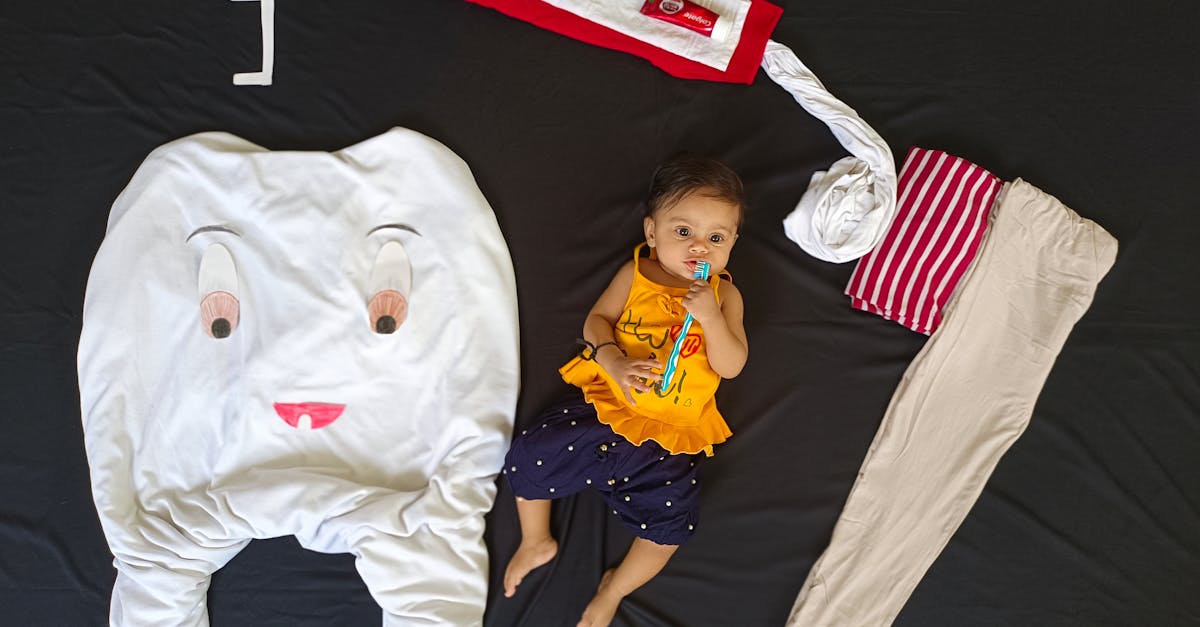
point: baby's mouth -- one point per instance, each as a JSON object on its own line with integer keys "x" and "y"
{"x": 309, "y": 416}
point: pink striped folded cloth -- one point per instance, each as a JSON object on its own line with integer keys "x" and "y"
{"x": 941, "y": 215}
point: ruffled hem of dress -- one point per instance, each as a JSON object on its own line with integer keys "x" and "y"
{"x": 639, "y": 428}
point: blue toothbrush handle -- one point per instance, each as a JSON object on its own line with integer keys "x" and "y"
{"x": 673, "y": 360}
{"x": 701, "y": 272}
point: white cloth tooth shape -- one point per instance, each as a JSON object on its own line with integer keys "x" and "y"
{"x": 303, "y": 421}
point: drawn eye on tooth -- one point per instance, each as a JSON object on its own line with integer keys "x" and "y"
{"x": 218, "y": 286}
{"x": 389, "y": 287}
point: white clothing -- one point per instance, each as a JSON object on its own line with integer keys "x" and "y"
{"x": 302, "y": 421}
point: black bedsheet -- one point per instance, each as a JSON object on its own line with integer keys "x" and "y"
{"x": 1093, "y": 517}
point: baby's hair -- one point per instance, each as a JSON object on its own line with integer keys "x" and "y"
{"x": 685, "y": 174}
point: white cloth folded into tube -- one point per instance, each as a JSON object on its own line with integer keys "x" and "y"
{"x": 846, "y": 209}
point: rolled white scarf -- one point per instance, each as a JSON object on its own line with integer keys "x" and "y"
{"x": 846, "y": 209}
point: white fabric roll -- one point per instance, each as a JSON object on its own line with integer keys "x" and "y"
{"x": 847, "y": 209}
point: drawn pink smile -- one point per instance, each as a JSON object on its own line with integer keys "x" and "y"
{"x": 309, "y": 415}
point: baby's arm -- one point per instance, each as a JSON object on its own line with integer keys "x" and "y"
{"x": 598, "y": 329}
{"x": 723, "y": 330}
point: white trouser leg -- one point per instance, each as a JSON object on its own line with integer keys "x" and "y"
{"x": 966, "y": 397}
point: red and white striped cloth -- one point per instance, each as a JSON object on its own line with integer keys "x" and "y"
{"x": 941, "y": 216}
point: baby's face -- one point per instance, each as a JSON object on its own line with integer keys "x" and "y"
{"x": 697, "y": 228}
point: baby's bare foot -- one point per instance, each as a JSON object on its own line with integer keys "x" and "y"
{"x": 529, "y": 556}
{"x": 603, "y": 606}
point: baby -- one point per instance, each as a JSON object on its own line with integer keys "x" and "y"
{"x": 635, "y": 442}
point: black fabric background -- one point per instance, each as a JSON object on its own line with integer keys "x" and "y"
{"x": 1093, "y": 517}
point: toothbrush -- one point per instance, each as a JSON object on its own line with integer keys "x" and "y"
{"x": 700, "y": 272}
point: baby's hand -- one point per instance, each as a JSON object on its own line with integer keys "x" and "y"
{"x": 701, "y": 302}
{"x": 630, "y": 373}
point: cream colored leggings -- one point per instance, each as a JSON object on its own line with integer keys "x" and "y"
{"x": 966, "y": 397}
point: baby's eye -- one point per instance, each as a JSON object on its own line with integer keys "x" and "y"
{"x": 683, "y": 231}
{"x": 716, "y": 238}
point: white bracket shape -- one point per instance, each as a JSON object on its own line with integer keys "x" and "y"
{"x": 268, "y": 48}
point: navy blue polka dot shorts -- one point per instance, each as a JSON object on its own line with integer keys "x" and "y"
{"x": 656, "y": 494}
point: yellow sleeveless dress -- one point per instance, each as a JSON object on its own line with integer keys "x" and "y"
{"x": 681, "y": 419}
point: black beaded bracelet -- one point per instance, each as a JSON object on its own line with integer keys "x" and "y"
{"x": 589, "y": 351}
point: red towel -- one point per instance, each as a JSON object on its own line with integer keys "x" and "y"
{"x": 941, "y": 216}
{"x": 760, "y": 21}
